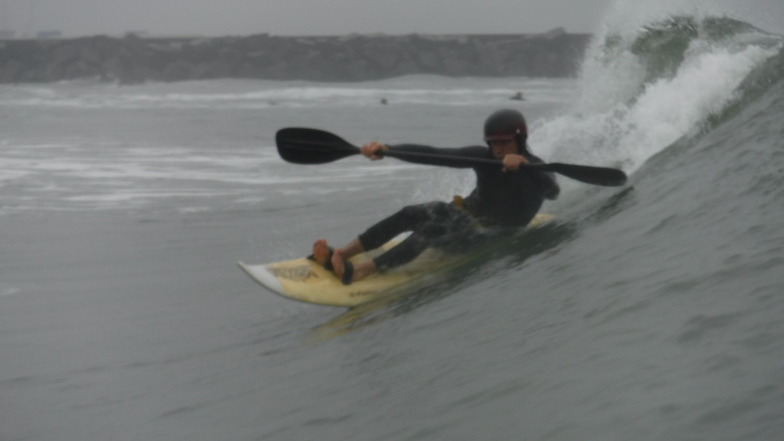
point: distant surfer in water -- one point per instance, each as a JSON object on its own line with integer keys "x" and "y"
{"x": 504, "y": 197}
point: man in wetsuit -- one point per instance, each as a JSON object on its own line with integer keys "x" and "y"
{"x": 504, "y": 197}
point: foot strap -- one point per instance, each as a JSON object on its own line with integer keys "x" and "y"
{"x": 348, "y": 272}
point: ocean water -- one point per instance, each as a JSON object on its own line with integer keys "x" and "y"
{"x": 649, "y": 312}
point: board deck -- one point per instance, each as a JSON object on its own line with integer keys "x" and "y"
{"x": 304, "y": 280}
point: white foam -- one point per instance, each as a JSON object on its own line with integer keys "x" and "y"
{"x": 619, "y": 120}
{"x": 672, "y": 108}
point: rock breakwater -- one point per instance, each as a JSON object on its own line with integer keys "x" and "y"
{"x": 131, "y": 59}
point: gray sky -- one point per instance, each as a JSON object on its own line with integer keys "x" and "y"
{"x": 340, "y": 17}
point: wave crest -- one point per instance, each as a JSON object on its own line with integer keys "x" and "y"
{"x": 643, "y": 90}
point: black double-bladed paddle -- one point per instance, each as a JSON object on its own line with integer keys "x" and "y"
{"x": 314, "y": 146}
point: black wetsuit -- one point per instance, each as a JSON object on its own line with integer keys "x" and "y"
{"x": 500, "y": 200}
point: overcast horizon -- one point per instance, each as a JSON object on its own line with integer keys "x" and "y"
{"x": 74, "y": 18}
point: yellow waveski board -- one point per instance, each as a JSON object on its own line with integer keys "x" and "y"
{"x": 307, "y": 281}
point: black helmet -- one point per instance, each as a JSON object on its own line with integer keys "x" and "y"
{"x": 506, "y": 124}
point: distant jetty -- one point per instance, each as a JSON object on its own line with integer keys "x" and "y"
{"x": 133, "y": 60}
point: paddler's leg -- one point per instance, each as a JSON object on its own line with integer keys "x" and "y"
{"x": 399, "y": 255}
{"x": 402, "y": 253}
{"x": 322, "y": 253}
{"x": 360, "y": 269}
{"x": 351, "y": 249}
{"x": 407, "y": 219}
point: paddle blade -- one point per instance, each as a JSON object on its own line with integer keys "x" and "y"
{"x": 609, "y": 177}
{"x": 311, "y": 146}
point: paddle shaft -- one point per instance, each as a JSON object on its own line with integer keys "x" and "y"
{"x": 584, "y": 173}
{"x": 463, "y": 159}
{"x": 318, "y": 146}
{"x": 314, "y": 146}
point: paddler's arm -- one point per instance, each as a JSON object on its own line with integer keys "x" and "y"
{"x": 439, "y": 156}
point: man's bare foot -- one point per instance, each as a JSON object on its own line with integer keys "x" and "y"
{"x": 321, "y": 252}
{"x": 361, "y": 269}
{"x": 339, "y": 265}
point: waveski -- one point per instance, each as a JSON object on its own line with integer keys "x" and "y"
{"x": 306, "y": 281}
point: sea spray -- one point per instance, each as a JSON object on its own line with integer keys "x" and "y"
{"x": 642, "y": 91}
